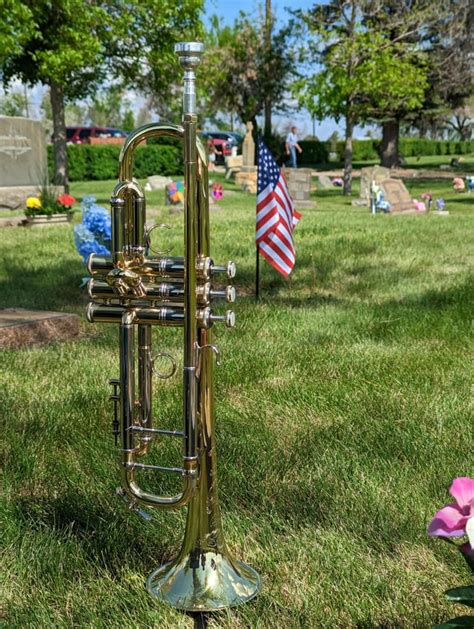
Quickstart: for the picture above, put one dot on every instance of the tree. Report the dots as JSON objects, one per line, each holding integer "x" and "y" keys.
{"x": 443, "y": 30}
{"x": 13, "y": 104}
{"x": 241, "y": 72}
{"x": 47, "y": 42}
{"x": 128, "y": 121}
{"x": 71, "y": 45}
{"x": 105, "y": 109}
{"x": 145, "y": 32}
{"x": 461, "y": 121}
{"x": 364, "y": 73}
{"x": 267, "y": 106}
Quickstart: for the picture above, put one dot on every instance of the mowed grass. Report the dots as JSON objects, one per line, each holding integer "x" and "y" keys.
{"x": 342, "y": 417}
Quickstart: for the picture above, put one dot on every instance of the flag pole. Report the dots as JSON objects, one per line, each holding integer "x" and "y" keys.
{"x": 257, "y": 274}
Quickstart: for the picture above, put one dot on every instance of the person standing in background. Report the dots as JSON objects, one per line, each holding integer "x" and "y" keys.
{"x": 211, "y": 153}
{"x": 292, "y": 146}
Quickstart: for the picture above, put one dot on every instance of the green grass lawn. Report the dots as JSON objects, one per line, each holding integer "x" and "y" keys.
{"x": 342, "y": 417}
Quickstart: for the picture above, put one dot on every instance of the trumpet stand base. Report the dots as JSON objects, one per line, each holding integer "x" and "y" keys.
{"x": 204, "y": 582}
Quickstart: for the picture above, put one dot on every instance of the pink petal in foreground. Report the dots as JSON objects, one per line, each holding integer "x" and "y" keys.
{"x": 462, "y": 490}
{"x": 448, "y": 522}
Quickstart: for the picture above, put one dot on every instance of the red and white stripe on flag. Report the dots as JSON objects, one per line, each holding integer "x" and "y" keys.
{"x": 276, "y": 219}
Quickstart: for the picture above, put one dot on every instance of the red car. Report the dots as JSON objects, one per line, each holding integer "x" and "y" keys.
{"x": 93, "y": 135}
{"x": 223, "y": 146}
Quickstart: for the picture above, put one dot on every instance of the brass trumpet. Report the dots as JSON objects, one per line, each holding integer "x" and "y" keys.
{"x": 136, "y": 290}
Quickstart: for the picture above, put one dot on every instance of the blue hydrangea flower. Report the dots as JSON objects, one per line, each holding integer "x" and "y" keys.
{"x": 94, "y": 234}
{"x": 88, "y": 200}
{"x": 97, "y": 220}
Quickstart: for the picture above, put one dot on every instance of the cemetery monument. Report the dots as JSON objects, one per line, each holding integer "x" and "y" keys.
{"x": 247, "y": 177}
{"x": 23, "y": 162}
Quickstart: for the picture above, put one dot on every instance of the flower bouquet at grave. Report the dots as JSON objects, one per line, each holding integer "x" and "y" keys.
{"x": 94, "y": 233}
{"x": 217, "y": 191}
{"x": 175, "y": 193}
{"x": 49, "y": 203}
{"x": 456, "y": 520}
{"x": 428, "y": 198}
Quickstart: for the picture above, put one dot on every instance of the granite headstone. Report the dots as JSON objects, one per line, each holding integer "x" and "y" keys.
{"x": 299, "y": 186}
{"x": 23, "y": 163}
{"x": 367, "y": 176}
{"x": 325, "y": 182}
{"x": 396, "y": 193}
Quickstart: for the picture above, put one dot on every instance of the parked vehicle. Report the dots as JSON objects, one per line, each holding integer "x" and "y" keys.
{"x": 224, "y": 141}
{"x": 94, "y": 135}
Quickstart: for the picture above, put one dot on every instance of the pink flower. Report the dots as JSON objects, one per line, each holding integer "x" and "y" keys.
{"x": 217, "y": 191}
{"x": 453, "y": 519}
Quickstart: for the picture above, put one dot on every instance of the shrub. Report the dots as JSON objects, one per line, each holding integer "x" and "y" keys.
{"x": 361, "y": 150}
{"x": 101, "y": 161}
{"x": 158, "y": 160}
{"x": 77, "y": 159}
{"x": 314, "y": 152}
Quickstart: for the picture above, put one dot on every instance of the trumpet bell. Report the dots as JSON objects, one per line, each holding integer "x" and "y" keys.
{"x": 206, "y": 582}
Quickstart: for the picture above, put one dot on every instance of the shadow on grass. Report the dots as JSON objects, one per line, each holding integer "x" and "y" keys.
{"x": 53, "y": 287}
{"x": 100, "y": 530}
{"x": 466, "y": 199}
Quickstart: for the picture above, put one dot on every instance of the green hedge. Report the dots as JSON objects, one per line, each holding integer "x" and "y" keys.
{"x": 414, "y": 147}
{"x": 409, "y": 147}
{"x": 88, "y": 162}
{"x": 313, "y": 152}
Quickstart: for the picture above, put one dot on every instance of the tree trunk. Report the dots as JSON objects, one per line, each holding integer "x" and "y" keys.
{"x": 348, "y": 155}
{"x": 389, "y": 144}
{"x": 267, "y": 106}
{"x": 59, "y": 136}
{"x": 267, "y": 128}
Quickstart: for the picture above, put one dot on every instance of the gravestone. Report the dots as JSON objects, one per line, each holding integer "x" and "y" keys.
{"x": 247, "y": 177}
{"x": 157, "y": 182}
{"x": 325, "y": 182}
{"x": 23, "y": 163}
{"x": 299, "y": 187}
{"x": 19, "y": 327}
{"x": 397, "y": 195}
{"x": 248, "y": 151}
{"x": 367, "y": 176}
{"x": 233, "y": 165}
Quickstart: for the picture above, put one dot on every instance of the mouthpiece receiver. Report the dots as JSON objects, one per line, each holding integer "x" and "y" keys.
{"x": 189, "y": 54}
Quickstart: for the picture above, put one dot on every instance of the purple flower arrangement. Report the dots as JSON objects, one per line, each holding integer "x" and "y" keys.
{"x": 93, "y": 235}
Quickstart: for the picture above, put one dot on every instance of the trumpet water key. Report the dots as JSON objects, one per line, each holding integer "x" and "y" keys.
{"x": 135, "y": 289}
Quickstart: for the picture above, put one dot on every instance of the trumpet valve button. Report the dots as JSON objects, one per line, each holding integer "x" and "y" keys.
{"x": 229, "y": 269}
{"x": 228, "y": 318}
{"x": 229, "y": 294}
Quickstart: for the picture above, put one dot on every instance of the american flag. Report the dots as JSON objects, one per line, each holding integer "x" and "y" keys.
{"x": 276, "y": 215}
